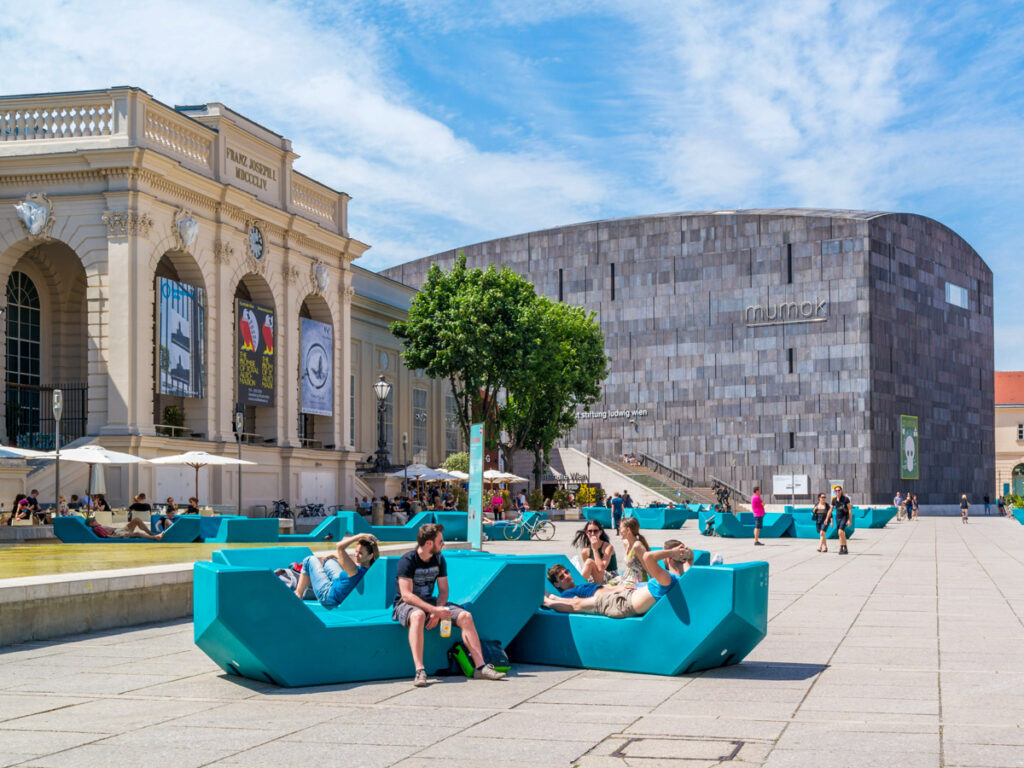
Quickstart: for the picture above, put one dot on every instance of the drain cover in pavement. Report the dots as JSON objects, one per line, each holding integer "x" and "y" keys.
{"x": 679, "y": 748}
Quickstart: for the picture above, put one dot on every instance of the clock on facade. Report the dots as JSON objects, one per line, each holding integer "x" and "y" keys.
{"x": 255, "y": 242}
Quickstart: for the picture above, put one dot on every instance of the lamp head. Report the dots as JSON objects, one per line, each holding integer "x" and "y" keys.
{"x": 382, "y": 388}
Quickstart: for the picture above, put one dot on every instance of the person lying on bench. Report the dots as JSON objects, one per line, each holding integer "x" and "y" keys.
{"x": 133, "y": 529}
{"x": 635, "y": 602}
{"x": 333, "y": 577}
{"x": 561, "y": 580}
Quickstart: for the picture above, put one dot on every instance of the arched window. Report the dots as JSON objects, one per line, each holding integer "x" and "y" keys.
{"x": 1017, "y": 480}
{"x": 23, "y": 358}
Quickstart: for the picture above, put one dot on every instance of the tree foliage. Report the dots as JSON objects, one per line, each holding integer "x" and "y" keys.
{"x": 518, "y": 361}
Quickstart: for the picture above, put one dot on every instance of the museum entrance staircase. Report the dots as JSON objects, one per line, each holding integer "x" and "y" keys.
{"x": 664, "y": 479}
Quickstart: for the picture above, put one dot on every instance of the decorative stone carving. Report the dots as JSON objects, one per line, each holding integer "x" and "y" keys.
{"x": 127, "y": 223}
{"x": 223, "y": 251}
{"x": 347, "y": 294}
{"x": 186, "y": 228}
{"x": 36, "y": 215}
{"x": 321, "y": 276}
{"x": 290, "y": 273}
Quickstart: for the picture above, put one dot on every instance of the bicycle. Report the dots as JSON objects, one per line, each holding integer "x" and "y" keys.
{"x": 532, "y": 524}
{"x": 312, "y": 510}
{"x": 283, "y": 509}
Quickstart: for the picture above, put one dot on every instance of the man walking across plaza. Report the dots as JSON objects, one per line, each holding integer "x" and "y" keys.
{"x": 840, "y": 512}
{"x": 617, "y": 504}
{"x": 757, "y": 507}
{"x": 417, "y": 609}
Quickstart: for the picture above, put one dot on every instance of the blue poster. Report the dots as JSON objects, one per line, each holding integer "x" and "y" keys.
{"x": 181, "y": 325}
{"x": 317, "y": 367}
{"x": 476, "y": 485}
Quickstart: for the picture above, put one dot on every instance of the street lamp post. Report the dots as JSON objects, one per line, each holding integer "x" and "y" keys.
{"x": 381, "y": 390}
{"x": 58, "y": 409}
{"x": 239, "y": 428}
{"x": 405, "y": 444}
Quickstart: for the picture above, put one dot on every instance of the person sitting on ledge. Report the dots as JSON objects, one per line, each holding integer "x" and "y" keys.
{"x": 633, "y": 602}
{"x": 133, "y": 529}
{"x": 166, "y": 520}
{"x": 333, "y": 577}
{"x": 139, "y": 505}
{"x": 100, "y": 503}
{"x": 598, "y": 554}
{"x": 562, "y": 580}
{"x": 193, "y": 507}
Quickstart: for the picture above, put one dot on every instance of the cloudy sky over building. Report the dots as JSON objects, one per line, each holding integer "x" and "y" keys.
{"x": 454, "y": 122}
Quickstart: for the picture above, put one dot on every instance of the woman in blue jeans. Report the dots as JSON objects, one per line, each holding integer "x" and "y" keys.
{"x": 332, "y": 577}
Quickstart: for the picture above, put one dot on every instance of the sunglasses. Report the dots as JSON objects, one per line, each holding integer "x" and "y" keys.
{"x": 593, "y": 530}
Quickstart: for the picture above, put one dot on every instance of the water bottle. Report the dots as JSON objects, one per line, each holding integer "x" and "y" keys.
{"x": 446, "y": 627}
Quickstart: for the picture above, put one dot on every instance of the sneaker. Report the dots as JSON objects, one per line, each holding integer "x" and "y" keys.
{"x": 487, "y": 672}
{"x": 421, "y": 679}
{"x": 758, "y": 543}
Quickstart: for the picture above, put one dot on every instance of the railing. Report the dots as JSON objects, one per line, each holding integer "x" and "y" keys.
{"x": 57, "y": 121}
{"x": 679, "y": 477}
{"x": 177, "y": 432}
{"x": 29, "y": 414}
{"x": 733, "y": 490}
{"x": 317, "y": 201}
{"x": 168, "y": 131}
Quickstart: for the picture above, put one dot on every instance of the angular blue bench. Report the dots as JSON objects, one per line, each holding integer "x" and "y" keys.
{"x": 804, "y": 526}
{"x": 713, "y": 617}
{"x": 1018, "y": 513}
{"x": 741, "y": 525}
{"x": 602, "y": 515}
{"x": 253, "y": 626}
{"x": 347, "y": 523}
{"x": 73, "y": 530}
{"x": 873, "y": 517}
{"x": 665, "y": 518}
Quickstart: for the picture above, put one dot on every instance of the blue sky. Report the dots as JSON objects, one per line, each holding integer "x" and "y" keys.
{"x": 453, "y": 122}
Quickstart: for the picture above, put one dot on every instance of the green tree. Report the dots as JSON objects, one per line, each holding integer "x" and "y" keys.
{"x": 564, "y": 375}
{"x": 474, "y": 328}
{"x": 457, "y": 462}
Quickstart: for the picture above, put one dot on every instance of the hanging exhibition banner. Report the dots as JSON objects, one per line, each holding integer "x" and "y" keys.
{"x": 476, "y": 485}
{"x": 317, "y": 368}
{"x": 910, "y": 456}
{"x": 256, "y": 362}
{"x": 181, "y": 329}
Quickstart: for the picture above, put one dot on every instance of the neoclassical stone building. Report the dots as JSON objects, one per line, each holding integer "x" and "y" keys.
{"x": 163, "y": 265}
{"x": 779, "y": 345}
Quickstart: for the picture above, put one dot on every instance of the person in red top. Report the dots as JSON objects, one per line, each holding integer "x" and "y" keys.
{"x": 757, "y": 507}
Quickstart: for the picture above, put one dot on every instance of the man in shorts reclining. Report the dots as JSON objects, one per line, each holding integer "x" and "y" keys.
{"x": 418, "y": 610}
{"x": 561, "y": 580}
{"x": 638, "y": 601}
{"x": 133, "y": 529}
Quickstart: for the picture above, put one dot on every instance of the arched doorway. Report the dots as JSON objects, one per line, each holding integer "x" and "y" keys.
{"x": 316, "y": 416}
{"x": 1017, "y": 480}
{"x": 180, "y": 397}
{"x": 45, "y": 331}
{"x": 254, "y": 348}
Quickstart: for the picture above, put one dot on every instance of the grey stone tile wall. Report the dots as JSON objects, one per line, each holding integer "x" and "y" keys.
{"x": 721, "y": 400}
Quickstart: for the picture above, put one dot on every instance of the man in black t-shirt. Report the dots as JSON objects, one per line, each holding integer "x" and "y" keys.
{"x": 139, "y": 505}
{"x": 418, "y": 609}
{"x": 840, "y": 513}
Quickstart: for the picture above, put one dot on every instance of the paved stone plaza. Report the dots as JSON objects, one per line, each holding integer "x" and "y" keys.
{"x": 905, "y": 653}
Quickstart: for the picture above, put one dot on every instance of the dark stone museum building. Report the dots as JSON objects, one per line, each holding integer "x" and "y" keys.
{"x": 779, "y": 347}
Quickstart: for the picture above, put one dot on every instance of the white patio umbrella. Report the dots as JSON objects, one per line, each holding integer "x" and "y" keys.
{"x": 197, "y": 459}
{"x": 93, "y": 455}
{"x": 456, "y": 474}
{"x": 9, "y": 452}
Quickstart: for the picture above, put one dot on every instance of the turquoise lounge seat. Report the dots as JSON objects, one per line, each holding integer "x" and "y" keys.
{"x": 331, "y": 528}
{"x": 741, "y": 526}
{"x": 251, "y": 625}
{"x": 873, "y": 517}
{"x": 73, "y": 530}
{"x": 602, "y": 515}
{"x": 664, "y": 518}
{"x": 1019, "y": 514}
{"x": 233, "y": 528}
{"x": 351, "y": 523}
{"x": 804, "y": 526}
{"x": 714, "y": 617}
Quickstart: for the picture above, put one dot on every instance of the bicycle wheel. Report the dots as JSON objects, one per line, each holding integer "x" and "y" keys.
{"x": 544, "y": 530}
{"x": 513, "y": 531}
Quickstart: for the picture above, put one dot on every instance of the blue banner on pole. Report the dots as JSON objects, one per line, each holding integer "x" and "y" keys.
{"x": 476, "y": 485}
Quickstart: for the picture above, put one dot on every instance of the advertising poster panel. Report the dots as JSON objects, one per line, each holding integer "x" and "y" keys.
{"x": 317, "y": 368}
{"x": 910, "y": 456}
{"x": 181, "y": 330}
{"x": 476, "y": 485}
{"x": 256, "y": 362}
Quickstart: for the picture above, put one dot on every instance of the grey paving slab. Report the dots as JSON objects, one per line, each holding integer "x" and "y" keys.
{"x": 910, "y": 644}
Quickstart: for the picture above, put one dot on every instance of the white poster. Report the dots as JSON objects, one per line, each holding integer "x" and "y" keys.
{"x": 789, "y": 485}
{"x": 317, "y": 368}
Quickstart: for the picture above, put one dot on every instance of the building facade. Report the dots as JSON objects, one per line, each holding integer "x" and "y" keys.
{"x": 1009, "y": 428}
{"x": 786, "y": 348}
{"x": 165, "y": 267}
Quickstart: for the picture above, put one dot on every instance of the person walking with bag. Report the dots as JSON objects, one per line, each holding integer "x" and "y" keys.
{"x": 820, "y": 514}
